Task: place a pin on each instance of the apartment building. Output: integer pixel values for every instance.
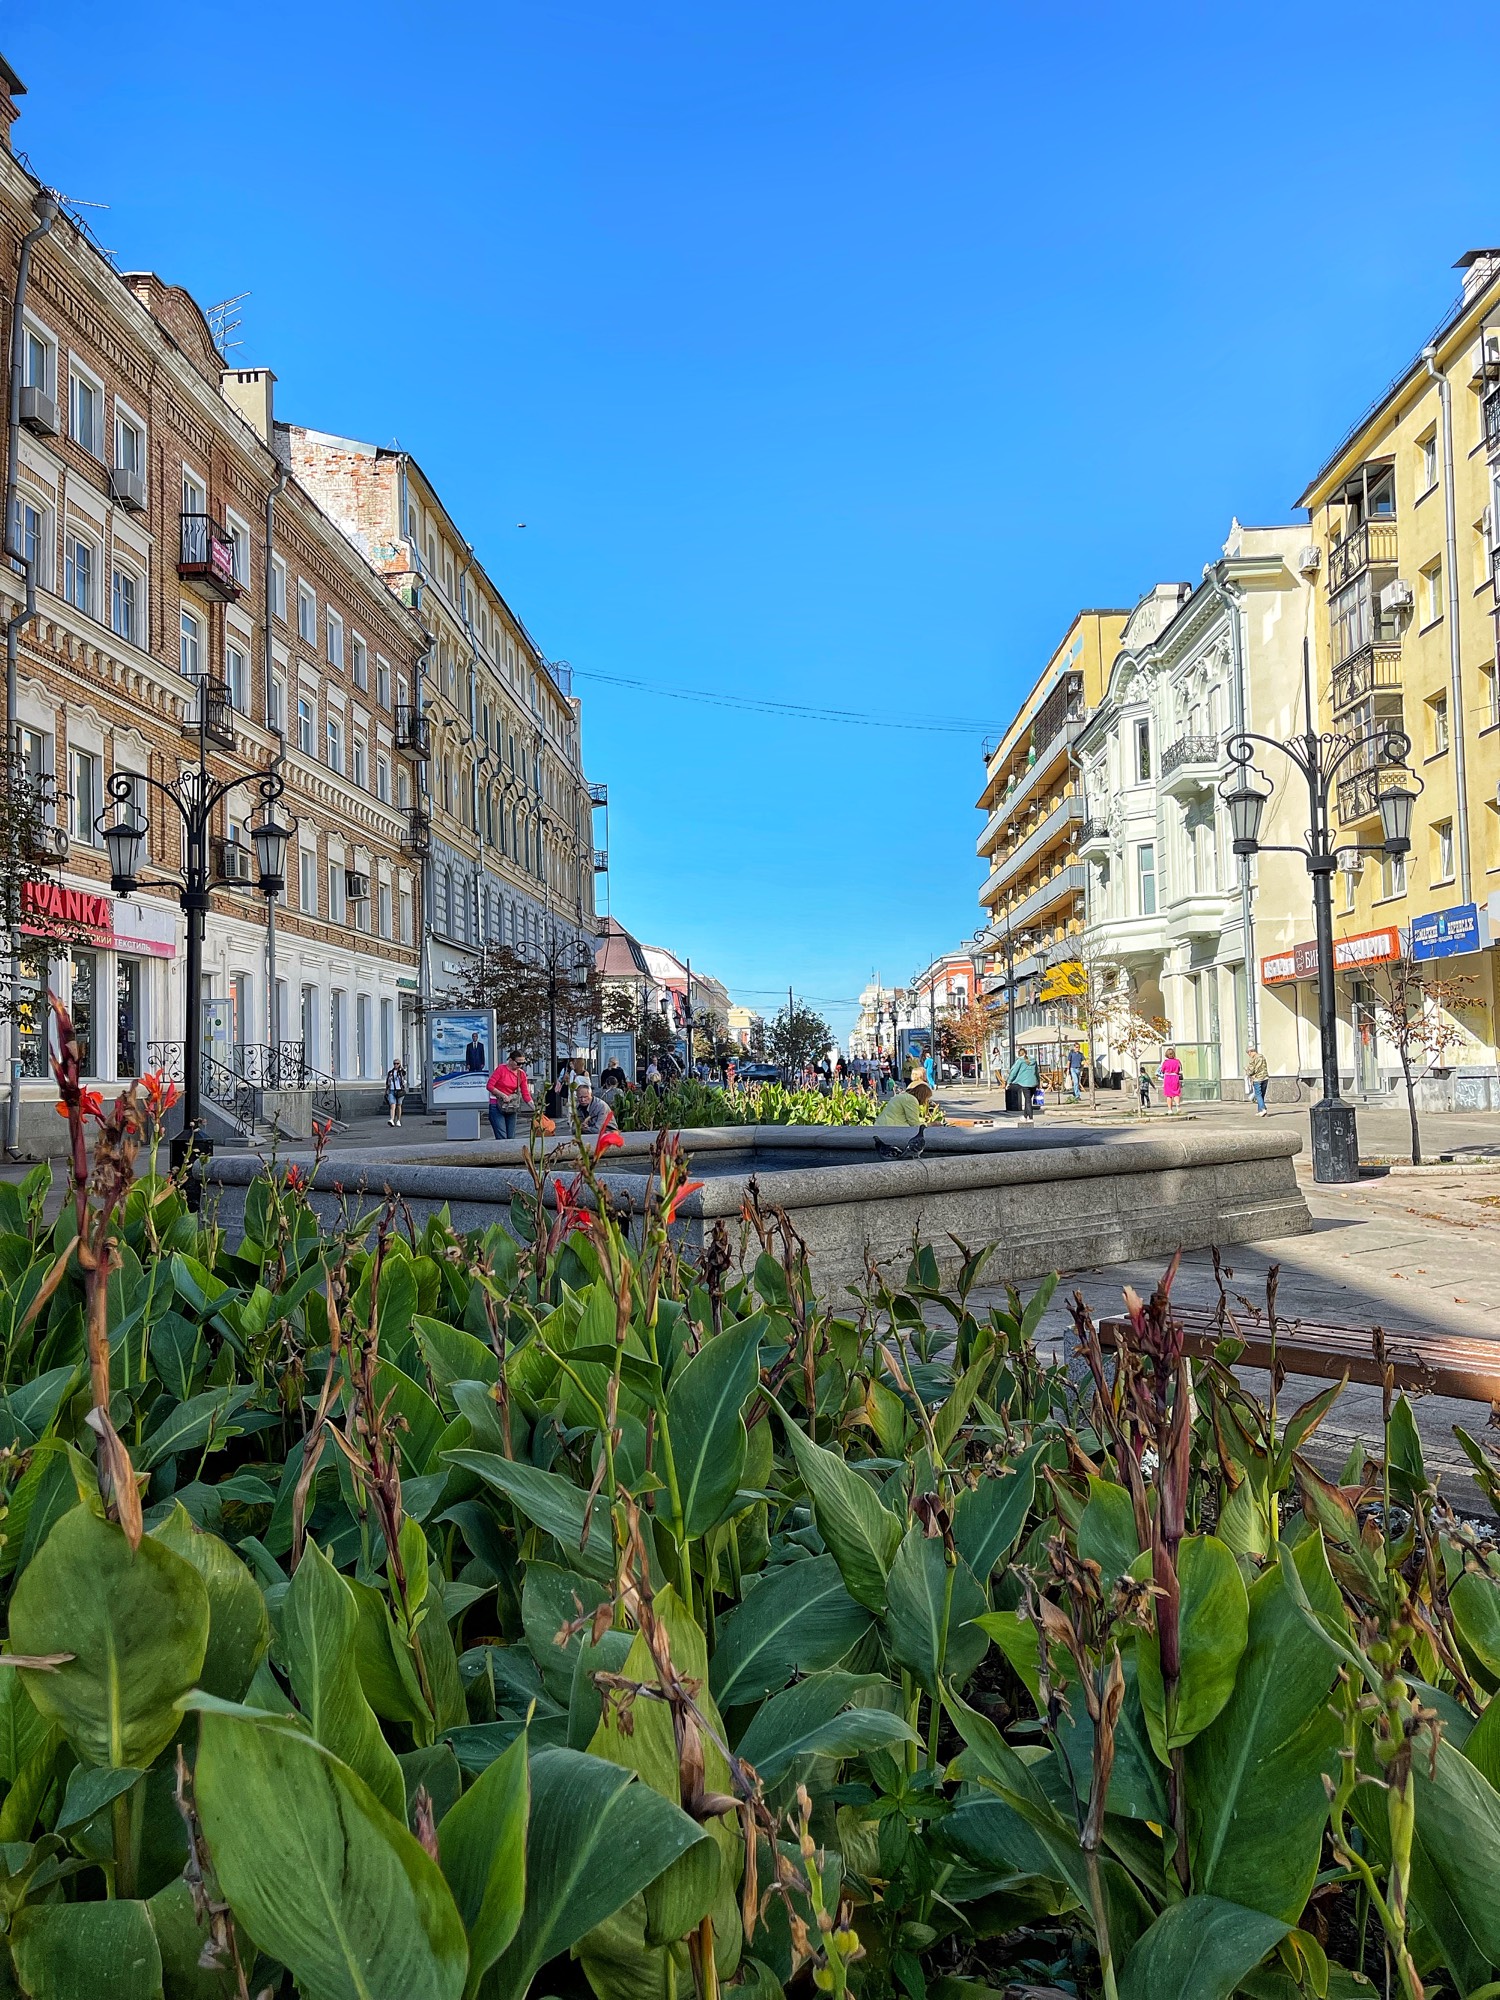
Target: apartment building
(173, 572)
(1033, 895)
(1404, 527)
(501, 806)
(1171, 913)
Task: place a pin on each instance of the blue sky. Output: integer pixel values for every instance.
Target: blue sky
(831, 353)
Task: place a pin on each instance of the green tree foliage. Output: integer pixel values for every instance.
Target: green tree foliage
(798, 1036)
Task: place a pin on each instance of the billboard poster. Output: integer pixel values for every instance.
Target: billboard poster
(460, 1055)
(618, 1046)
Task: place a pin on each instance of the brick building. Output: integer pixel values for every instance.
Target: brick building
(175, 560)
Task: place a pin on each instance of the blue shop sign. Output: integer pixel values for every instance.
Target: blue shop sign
(1450, 933)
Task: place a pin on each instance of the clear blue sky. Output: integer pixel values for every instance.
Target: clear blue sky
(832, 353)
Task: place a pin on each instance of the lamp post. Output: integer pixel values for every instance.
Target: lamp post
(196, 794)
(1320, 758)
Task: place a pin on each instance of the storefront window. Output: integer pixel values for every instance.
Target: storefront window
(31, 1023)
(85, 1018)
(128, 1016)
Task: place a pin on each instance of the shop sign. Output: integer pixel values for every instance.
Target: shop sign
(1063, 981)
(1450, 933)
(1349, 955)
(80, 916)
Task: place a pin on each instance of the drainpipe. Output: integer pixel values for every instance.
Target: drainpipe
(424, 928)
(1233, 600)
(1455, 655)
(44, 206)
(273, 1002)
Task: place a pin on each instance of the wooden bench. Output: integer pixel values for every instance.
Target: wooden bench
(1440, 1364)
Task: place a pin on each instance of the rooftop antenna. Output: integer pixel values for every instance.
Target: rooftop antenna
(223, 320)
(72, 201)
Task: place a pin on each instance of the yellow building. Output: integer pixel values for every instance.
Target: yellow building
(1404, 518)
(1034, 812)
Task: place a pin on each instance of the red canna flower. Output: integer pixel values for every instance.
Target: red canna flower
(160, 1094)
(607, 1138)
(296, 1180)
(673, 1202)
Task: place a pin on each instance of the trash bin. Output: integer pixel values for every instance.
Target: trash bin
(1015, 1097)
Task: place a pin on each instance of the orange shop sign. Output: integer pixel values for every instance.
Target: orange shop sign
(1350, 954)
(79, 916)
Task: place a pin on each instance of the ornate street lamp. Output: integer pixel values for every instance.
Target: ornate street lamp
(1320, 759)
(196, 794)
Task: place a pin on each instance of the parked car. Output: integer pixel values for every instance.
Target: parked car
(756, 1072)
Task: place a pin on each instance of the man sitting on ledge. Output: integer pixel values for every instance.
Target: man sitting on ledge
(904, 1110)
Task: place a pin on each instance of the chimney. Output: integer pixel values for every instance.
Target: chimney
(11, 87)
(251, 392)
(1478, 267)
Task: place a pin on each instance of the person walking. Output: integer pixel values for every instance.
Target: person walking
(1171, 1082)
(1143, 1083)
(395, 1089)
(509, 1088)
(1257, 1072)
(1025, 1077)
(1075, 1072)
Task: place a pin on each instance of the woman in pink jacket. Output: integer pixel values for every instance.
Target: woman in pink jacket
(508, 1091)
(1171, 1081)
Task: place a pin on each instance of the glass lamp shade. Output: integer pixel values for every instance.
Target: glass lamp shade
(1396, 803)
(1246, 806)
(270, 839)
(124, 838)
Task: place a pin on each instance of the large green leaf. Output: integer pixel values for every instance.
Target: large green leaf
(482, 1845)
(798, 1618)
(931, 1601)
(860, 1531)
(1256, 1803)
(318, 1872)
(805, 1706)
(238, 1628)
(319, 1638)
(1476, 1612)
(137, 1626)
(551, 1503)
(23, 1728)
(183, 1940)
(84, 1951)
(988, 1518)
(707, 1396)
(1199, 1949)
(1107, 1531)
(847, 1734)
(189, 1426)
(597, 1836)
(1212, 1623)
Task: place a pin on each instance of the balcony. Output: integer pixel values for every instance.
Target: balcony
(1372, 545)
(413, 731)
(1065, 889)
(1063, 816)
(206, 556)
(1094, 837)
(601, 860)
(1191, 764)
(598, 792)
(1492, 420)
(418, 836)
(214, 714)
(1376, 665)
(1359, 796)
(1044, 766)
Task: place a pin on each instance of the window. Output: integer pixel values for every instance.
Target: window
(360, 661)
(403, 789)
(194, 494)
(86, 413)
(278, 588)
(306, 727)
(1437, 712)
(307, 614)
(1427, 463)
(384, 907)
(86, 785)
(382, 681)
(360, 770)
(1143, 753)
(237, 674)
(39, 363)
(336, 906)
(79, 563)
(387, 1033)
(190, 644)
(1442, 845)
(277, 708)
(383, 779)
(239, 545)
(1432, 593)
(362, 1034)
(124, 607)
(307, 880)
(407, 919)
(130, 443)
(33, 539)
(335, 744)
(1489, 684)
(1392, 875)
(1145, 875)
(335, 640)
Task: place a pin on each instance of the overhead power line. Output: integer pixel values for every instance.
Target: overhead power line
(954, 725)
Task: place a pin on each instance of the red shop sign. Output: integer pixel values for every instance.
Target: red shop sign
(1349, 954)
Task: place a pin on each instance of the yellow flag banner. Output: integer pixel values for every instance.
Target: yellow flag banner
(1064, 981)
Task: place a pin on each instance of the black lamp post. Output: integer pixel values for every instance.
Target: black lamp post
(196, 794)
(1320, 759)
(1026, 940)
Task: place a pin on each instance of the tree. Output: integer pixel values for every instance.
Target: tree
(524, 992)
(1415, 1011)
(1111, 1020)
(798, 1036)
(973, 1031)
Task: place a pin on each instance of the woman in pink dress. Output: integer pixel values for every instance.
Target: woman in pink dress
(1171, 1081)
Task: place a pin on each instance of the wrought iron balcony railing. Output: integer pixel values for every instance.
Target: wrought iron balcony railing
(413, 730)
(1190, 749)
(206, 555)
(1371, 545)
(1375, 665)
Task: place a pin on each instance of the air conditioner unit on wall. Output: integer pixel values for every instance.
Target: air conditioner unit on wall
(1398, 595)
(356, 886)
(128, 489)
(1310, 559)
(234, 862)
(38, 412)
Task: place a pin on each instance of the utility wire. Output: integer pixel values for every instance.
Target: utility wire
(800, 711)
